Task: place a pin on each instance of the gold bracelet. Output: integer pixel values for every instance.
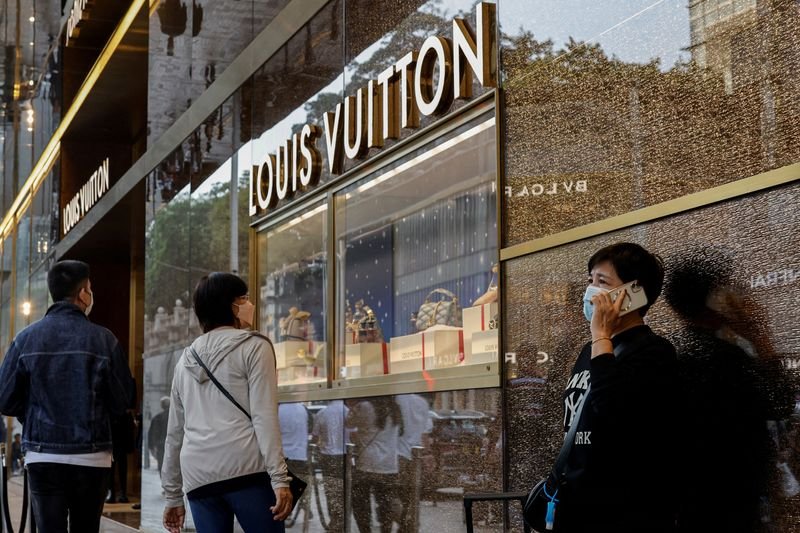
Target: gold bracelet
(601, 339)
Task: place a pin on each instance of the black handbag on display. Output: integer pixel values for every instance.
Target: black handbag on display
(540, 508)
(296, 486)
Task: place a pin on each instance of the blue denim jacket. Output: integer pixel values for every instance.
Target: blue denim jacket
(64, 378)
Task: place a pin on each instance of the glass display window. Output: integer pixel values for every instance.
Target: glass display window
(416, 248)
(292, 280)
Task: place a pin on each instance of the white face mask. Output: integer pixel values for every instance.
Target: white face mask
(91, 303)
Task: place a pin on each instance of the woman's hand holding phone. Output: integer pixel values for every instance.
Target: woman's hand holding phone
(605, 321)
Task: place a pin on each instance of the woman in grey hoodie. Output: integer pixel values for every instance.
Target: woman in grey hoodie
(226, 464)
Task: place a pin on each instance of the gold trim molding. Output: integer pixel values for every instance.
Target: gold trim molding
(742, 187)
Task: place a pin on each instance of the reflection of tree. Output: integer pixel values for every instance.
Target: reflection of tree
(407, 35)
(646, 132)
(190, 238)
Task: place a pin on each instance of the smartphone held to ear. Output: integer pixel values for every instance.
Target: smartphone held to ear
(635, 298)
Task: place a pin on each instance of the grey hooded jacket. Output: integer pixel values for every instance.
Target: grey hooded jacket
(208, 438)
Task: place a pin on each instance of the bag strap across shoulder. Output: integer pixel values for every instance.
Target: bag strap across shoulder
(569, 440)
(214, 380)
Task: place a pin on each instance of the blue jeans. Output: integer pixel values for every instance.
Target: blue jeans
(250, 506)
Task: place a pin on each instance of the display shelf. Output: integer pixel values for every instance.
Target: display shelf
(477, 376)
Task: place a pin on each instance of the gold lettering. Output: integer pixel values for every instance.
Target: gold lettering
(355, 146)
(283, 171)
(311, 167)
(374, 123)
(409, 114)
(429, 100)
(390, 104)
(255, 181)
(295, 160)
(476, 54)
(333, 140)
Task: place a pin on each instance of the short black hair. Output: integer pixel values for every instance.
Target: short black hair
(213, 297)
(66, 279)
(632, 262)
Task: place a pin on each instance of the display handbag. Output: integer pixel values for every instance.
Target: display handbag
(540, 508)
(296, 486)
(295, 326)
(444, 312)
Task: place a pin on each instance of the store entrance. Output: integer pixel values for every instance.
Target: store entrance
(113, 247)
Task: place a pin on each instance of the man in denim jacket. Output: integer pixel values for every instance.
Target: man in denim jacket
(64, 378)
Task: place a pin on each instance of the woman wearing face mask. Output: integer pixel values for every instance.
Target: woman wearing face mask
(619, 475)
(226, 464)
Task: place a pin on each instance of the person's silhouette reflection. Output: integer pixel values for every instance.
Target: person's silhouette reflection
(731, 386)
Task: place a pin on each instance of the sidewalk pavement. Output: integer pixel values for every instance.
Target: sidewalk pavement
(15, 491)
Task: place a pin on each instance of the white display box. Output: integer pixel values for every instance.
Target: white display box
(477, 318)
(350, 372)
(350, 337)
(436, 347)
(446, 345)
(485, 345)
(287, 352)
(371, 358)
(407, 354)
(298, 374)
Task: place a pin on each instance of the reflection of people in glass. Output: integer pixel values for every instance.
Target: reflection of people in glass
(618, 477)
(158, 432)
(329, 433)
(378, 425)
(228, 463)
(731, 385)
(416, 421)
(294, 433)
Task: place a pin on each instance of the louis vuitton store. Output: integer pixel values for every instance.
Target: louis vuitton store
(412, 190)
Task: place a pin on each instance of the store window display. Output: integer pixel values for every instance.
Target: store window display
(292, 274)
(416, 249)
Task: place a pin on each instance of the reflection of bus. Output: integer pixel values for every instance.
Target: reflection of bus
(458, 443)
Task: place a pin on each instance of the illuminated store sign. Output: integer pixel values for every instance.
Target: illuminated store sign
(88, 195)
(75, 15)
(382, 108)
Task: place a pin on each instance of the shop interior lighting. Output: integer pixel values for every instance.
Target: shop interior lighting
(32, 19)
(52, 150)
(26, 308)
(428, 154)
(297, 220)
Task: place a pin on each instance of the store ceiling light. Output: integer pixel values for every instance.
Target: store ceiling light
(26, 308)
(53, 148)
(32, 19)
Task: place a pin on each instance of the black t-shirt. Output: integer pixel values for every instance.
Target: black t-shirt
(620, 470)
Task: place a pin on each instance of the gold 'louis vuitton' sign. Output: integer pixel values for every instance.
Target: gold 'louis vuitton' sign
(377, 112)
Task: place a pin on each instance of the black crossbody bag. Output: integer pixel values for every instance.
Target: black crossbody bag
(296, 486)
(540, 510)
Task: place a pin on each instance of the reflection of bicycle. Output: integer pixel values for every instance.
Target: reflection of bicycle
(312, 474)
(314, 454)
(304, 504)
